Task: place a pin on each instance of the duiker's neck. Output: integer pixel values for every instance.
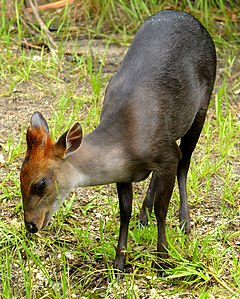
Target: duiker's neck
(99, 160)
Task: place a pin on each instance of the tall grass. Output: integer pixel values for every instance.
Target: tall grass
(108, 16)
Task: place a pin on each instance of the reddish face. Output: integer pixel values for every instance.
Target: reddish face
(38, 181)
(44, 183)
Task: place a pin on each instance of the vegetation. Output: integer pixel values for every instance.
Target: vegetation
(73, 257)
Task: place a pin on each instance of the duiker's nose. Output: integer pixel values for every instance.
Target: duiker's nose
(31, 227)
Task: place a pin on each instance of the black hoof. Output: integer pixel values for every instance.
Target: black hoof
(161, 268)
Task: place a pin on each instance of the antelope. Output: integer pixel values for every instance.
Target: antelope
(159, 96)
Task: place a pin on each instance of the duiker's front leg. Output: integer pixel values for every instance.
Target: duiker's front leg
(125, 203)
(161, 203)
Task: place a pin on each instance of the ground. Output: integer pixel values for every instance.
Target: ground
(56, 89)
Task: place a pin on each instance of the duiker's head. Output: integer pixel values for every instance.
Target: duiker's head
(45, 182)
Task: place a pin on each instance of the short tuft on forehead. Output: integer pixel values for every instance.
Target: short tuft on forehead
(39, 143)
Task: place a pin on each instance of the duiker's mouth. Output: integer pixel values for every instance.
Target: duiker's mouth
(34, 227)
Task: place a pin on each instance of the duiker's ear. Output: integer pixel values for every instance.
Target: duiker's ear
(38, 131)
(38, 121)
(70, 141)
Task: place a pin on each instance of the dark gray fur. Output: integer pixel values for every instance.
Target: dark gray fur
(160, 94)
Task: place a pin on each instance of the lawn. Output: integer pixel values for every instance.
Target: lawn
(73, 256)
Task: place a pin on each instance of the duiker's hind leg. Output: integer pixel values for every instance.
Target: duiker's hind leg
(166, 174)
(149, 200)
(187, 145)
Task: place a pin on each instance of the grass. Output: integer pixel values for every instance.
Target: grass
(73, 257)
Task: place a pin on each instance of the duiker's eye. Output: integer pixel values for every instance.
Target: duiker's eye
(40, 185)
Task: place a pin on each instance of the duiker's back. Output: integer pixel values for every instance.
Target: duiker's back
(170, 66)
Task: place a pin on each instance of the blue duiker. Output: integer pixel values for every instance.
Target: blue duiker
(159, 95)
